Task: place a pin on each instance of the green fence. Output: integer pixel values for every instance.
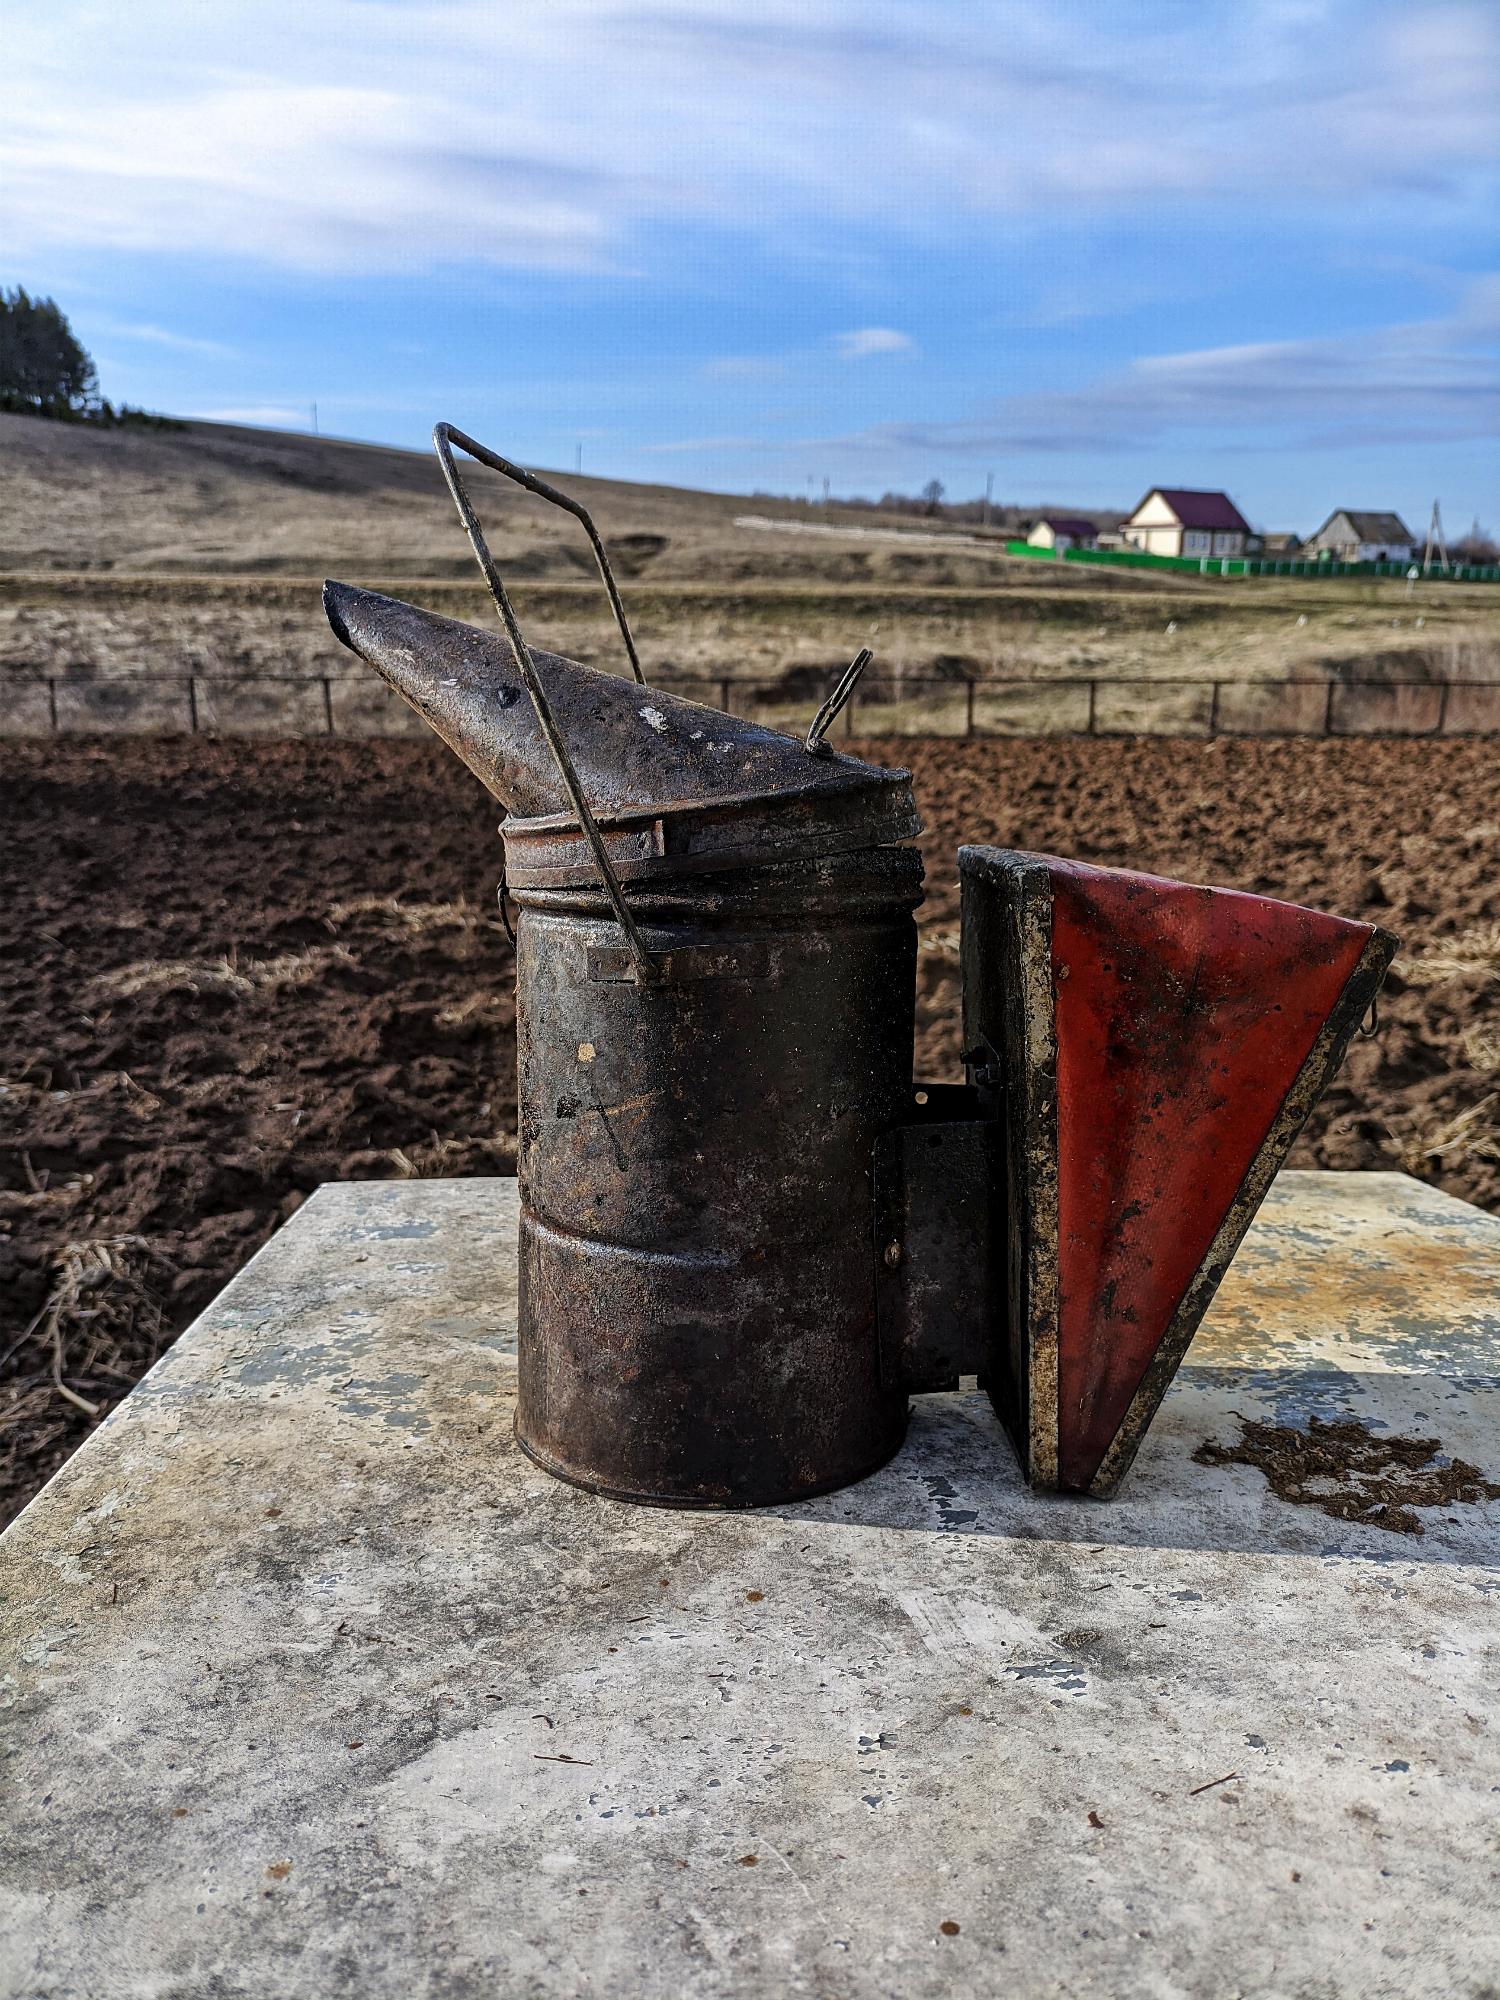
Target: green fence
(1253, 565)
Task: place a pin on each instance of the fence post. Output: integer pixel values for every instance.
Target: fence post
(725, 685)
(1093, 687)
(328, 703)
(969, 711)
(1328, 710)
(1213, 708)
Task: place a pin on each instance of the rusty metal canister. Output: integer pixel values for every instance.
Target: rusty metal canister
(746, 1235)
(698, 1311)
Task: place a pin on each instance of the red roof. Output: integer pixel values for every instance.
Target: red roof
(1201, 510)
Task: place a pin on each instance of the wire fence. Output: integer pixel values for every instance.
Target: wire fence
(891, 705)
(1104, 705)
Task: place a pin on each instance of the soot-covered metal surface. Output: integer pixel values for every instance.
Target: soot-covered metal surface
(313, 1684)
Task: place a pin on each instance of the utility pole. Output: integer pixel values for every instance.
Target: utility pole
(315, 419)
(825, 489)
(989, 489)
(1436, 543)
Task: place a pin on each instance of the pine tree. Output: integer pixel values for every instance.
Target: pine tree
(44, 370)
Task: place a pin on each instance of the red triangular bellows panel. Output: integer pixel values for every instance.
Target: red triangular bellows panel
(1159, 1047)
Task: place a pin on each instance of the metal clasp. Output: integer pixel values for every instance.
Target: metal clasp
(834, 704)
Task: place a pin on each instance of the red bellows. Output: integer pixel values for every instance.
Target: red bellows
(1157, 1048)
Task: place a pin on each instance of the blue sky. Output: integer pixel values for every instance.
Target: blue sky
(1086, 248)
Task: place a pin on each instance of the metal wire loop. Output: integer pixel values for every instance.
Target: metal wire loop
(444, 434)
(444, 437)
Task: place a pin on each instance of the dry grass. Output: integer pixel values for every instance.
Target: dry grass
(1482, 1050)
(96, 1284)
(414, 918)
(477, 1007)
(224, 976)
(42, 1194)
(1472, 954)
(1426, 1141)
(439, 1158)
(19, 1094)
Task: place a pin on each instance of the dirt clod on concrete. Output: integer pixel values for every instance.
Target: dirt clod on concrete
(1351, 1473)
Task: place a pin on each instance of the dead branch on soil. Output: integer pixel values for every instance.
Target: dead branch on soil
(93, 1283)
(1473, 954)
(1423, 1140)
(16, 1095)
(441, 1158)
(415, 918)
(477, 1007)
(45, 1194)
(220, 975)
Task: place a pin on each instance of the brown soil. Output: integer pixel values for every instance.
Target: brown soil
(1352, 1474)
(232, 970)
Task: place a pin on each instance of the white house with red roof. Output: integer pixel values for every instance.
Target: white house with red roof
(1063, 531)
(1181, 521)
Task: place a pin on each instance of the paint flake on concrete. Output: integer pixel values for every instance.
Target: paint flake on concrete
(311, 1684)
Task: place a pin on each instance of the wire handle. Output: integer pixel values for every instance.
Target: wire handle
(834, 704)
(444, 437)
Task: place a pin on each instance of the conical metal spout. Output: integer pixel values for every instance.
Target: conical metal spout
(636, 751)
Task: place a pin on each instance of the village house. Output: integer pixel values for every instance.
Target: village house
(1062, 531)
(1180, 521)
(1349, 537)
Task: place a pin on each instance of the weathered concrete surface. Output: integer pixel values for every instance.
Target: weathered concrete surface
(317, 1687)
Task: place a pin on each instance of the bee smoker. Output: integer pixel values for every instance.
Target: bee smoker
(747, 1236)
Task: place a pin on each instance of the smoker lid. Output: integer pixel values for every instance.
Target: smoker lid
(676, 787)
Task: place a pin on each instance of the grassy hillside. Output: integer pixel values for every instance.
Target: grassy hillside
(200, 550)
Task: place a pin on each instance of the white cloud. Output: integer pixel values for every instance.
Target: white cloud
(273, 416)
(558, 133)
(867, 340)
(1429, 381)
(161, 336)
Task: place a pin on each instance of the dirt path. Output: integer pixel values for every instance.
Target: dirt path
(232, 971)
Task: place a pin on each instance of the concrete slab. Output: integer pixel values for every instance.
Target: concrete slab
(317, 1687)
